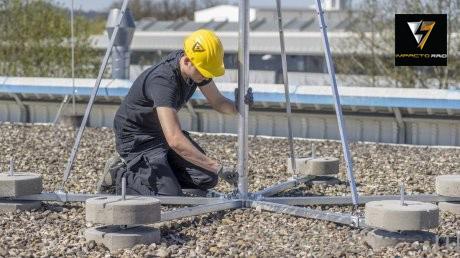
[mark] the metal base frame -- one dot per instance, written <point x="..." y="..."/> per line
<point x="240" y="197"/>
<point x="216" y="201"/>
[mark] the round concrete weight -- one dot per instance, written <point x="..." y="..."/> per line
<point x="115" y="237"/>
<point x="15" y="205"/>
<point x="20" y="184"/>
<point x="378" y="238"/>
<point x="453" y="207"/>
<point x="315" y="166"/>
<point x="112" y="210"/>
<point x="72" y="120"/>
<point x="448" y="185"/>
<point x="390" y="215"/>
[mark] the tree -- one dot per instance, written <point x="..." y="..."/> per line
<point x="35" y="41"/>
<point x="167" y="9"/>
<point x="373" y="28"/>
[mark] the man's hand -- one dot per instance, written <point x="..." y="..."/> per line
<point x="248" y="98"/>
<point x="180" y="143"/>
<point x="228" y="174"/>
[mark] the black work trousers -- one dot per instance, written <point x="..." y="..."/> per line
<point x="155" y="169"/>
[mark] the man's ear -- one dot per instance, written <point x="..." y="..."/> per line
<point x="187" y="61"/>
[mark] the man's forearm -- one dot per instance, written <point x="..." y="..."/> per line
<point x="190" y="153"/>
<point x="227" y="107"/>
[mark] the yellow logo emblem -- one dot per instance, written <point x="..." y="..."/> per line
<point x="198" y="47"/>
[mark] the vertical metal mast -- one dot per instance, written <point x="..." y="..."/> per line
<point x="286" y="87"/>
<point x="93" y="96"/>
<point x="338" y="107"/>
<point x="243" y="78"/>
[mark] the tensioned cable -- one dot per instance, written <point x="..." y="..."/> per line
<point x="73" y="58"/>
<point x="72" y="43"/>
<point x="63" y="103"/>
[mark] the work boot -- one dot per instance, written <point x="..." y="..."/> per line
<point x="107" y="181"/>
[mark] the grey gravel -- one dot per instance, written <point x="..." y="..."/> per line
<point x="57" y="229"/>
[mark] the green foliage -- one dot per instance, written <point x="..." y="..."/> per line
<point x="97" y="26"/>
<point x="373" y="48"/>
<point x="35" y="38"/>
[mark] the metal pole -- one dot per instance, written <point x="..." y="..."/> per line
<point x="81" y="197"/>
<point x="93" y="96"/>
<point x="73" y="59"/>
<point x="243" y="76"/>
<point x="63" y="103"/>
<point x="345" y="200"/>
<point x="123" y="188"/>
<point x="402" y="193"/>
<point x="181" y="200"/>
<point x="313" y="151"/>
<point x="338" y="107"/>
<point x="200" y="209"/>
<point x="11" y="172"/>
<point x="282" y="186"/>
<point x="286" y="87"/>
<point x="335" y="217"/>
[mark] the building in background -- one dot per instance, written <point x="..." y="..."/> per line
<point x="415" y="116"/>
<point x="154" y="39"/>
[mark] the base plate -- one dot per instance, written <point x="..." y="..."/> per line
<point x="378" y="238"/>
<point x="115" y="237"/>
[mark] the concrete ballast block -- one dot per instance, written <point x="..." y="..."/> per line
<point x="114" y="211"/>
<point x="390" y="215"/>
<point x="14" y="205"/>
<point x="20" y="184"/>
<point x="114" y="237"/>
<point x="315" y="166"/>
<point x="448" y="185"/>
<point x="378" y="238"/>
<point x="453" y="207"/>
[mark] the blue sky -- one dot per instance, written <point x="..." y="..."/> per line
<point x="101" y="5"/>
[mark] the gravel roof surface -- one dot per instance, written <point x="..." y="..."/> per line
<point x="57" y="229"/>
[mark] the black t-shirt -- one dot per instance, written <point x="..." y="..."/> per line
<point x="159" y="86"/>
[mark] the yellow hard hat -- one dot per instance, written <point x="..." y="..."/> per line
<point x="205" y="51"/>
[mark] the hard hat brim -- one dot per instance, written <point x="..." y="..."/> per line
<point x="212" y="72"/>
